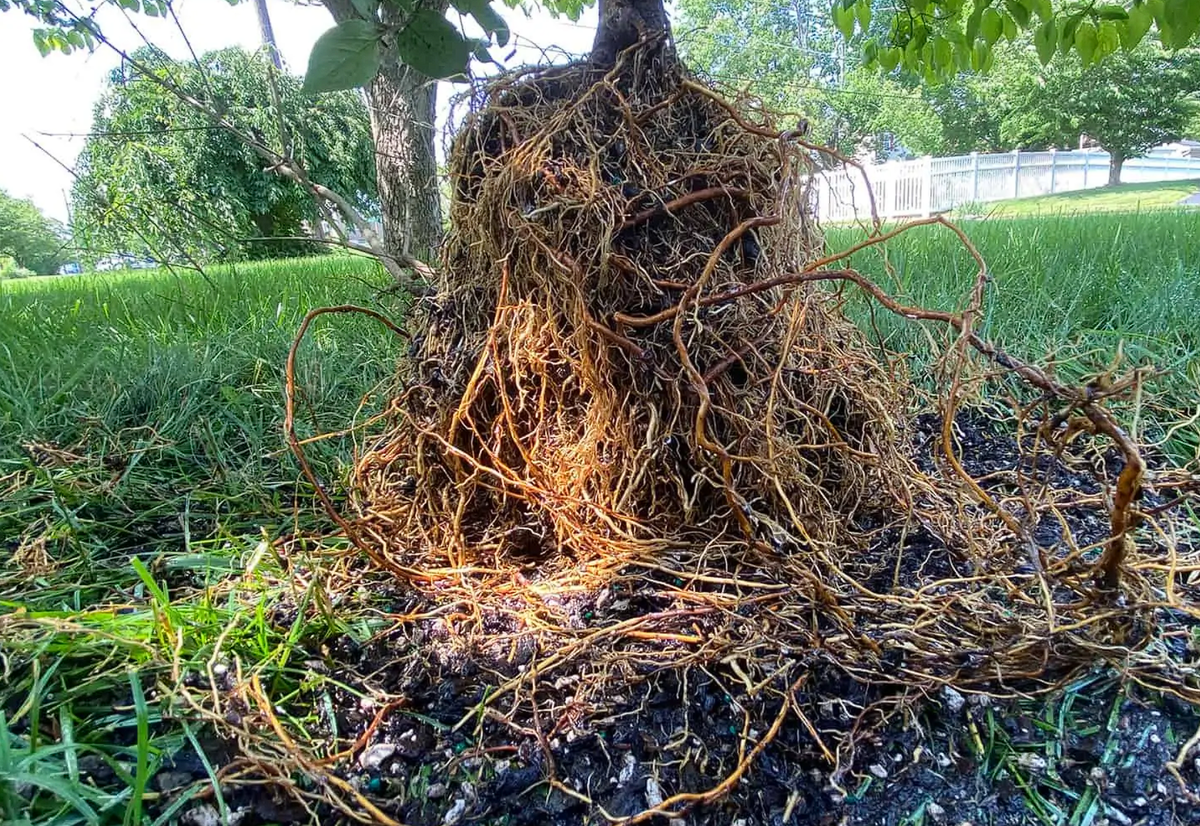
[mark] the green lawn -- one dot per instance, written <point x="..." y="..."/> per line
<point x="1071" y="288"/>
<point x="147" y="505"/>
<point x="1121" y="198"/>
<point x="154" y="524"/>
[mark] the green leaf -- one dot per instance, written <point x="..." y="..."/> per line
<point x="1011" y="30"/>
<point x="1066" y="34"/>
<point x="962" y="56"/>
<point x="366" y="8"/>
<point x="870" y="52"/>
<point x="1135" y="28"/>
<point x="1020" y="14"/>
<point x="1112" y="12"/>
<point x="479" y="51"/>
<point x="991" y="26"/>
<point x="989" y="60"/>
<point x="1045" y="39"/>
<point x="57" y="787"/>
<point x="1044" y="10"/>
<point x="432" y="46"/>
<point x="920" y="35"/>
<point x="843" y="19"/>
<point x="889" y="59"/>
<point x="1108" y="39"/>
<point x="1180" y="18"/>
<point x="39" y="40"/>
<point x="974" y="21"/>
<point x="1085" y="42"/>
<point x="863" y="12"/>
<point x="943" y="53"/>
<point x="487" y="17"/>
<point x="346" y="56"/>
<point x="142" y="760"/>
<point x="979" y="55"/>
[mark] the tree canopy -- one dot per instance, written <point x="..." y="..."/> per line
<point x="157" y="178"/>
<point x="938" y="38"/>
<point x="930" y="38"/>
<point x="1131" y="102"/>
<point x="33" y="241"/>
<point x="793" y="58"/>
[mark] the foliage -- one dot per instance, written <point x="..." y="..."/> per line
<point x="873" y="112"/>
<point x="157" y="179"/>
<point x="795" y="61"/>
<point x="939" y="38"/>
<point x="930" y="38"/>
<point x="786" y="51"/>
<point x="966" y="104"/>
<point x="1131" y="102"/>
<point x="9" y="268"/>
<point x="31" y="240"/>
<point x="347" y="55"/>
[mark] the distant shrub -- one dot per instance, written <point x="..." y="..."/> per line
<point x="10" y="269"/>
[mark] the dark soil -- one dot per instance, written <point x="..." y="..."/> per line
<point x="1092" y="752"/>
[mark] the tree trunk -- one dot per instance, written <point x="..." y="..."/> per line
<point x="403" y="105"/>
<point x="268" y="33"/>
<point x="625" y="22"/>
<point x="1116" y="161"/>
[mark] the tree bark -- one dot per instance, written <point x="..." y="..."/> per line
<point x="625" y="22"/>
<point x="1116" y="161"/>
<point x="403" y="105"/>
<point x="268" y="33"/>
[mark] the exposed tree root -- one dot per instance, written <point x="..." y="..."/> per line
<point x="635" y="371"/>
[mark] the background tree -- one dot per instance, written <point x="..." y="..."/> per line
<point x="156" y="177"/>
<point x="793" y="58"/>
<point x="785" y="51"/>
<point x="877" y="115"/>
<point x="375" y="39"/>
<point x="402" y="102"/>
<point x="966" y="107"/>
<point x="30" y="239"/>
<point x="1132" y="101"/>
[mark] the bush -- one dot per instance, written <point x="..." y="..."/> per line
<point x="10" y="269"/>
<point x="32" y="240"/>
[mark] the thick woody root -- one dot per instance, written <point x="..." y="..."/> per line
<point x="635" y="375"/>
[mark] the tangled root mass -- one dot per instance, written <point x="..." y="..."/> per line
<point x="617" y="379"/>
<point x="581" y="428"/>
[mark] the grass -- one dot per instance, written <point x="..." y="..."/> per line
<point x="155" y="527"/>
<point x="1120" y="198"/>
<point x="1069" y="290"/>
<point x="145" y="499"/>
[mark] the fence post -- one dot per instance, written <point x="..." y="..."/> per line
<point x="927" y="195"/>
<point x="974" y="177"/>
<point x="1087" y="163"/>
<point x="892" y="203"/>
<point x="1053" y="169"/>
<point x="1016" y="173"/>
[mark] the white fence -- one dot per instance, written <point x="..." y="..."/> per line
<point x="921" y="187"/>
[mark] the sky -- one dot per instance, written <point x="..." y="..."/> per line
<point x="50" y="99"/>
